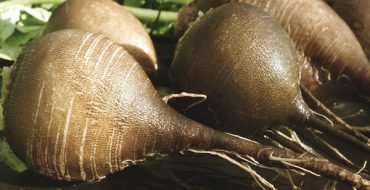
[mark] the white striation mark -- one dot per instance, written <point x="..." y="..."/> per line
<point x="55" y="153"/>
<point x="29" y="150"/>
<point x="39" y="142"/>
<point x="128" y="74"/>
<point x="118" y="59"/>
<point x="105" y="48"/>
<point x="110" y="144"/>
<point x="81" y="154"/>
<point x="82" y="44"/>
<point x="63" y="154"/>
<point x="39" y="102"/>
<point x="154" y="144"/>
<point x="90" y="50"/>
<point x="118" y="141"/>
<point x="135" y="143"/>
<point x="110" y="62"/>
<point x="47" y="136"/>
<point x="119" y="151"/>
<point x="96" y="141"/>
<point x="92" y="154"/>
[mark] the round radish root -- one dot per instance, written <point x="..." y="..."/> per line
<point x="315" y="29"/>
<point x="86" y="105"/>
<point x="88" y="110"/>
<point x="110" y="19"/>
<point x="251" y="80"/>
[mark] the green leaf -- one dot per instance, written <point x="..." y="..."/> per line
<point x="37" y="13"/>
<point x="9" y="158"/>
<point x="134" y="3"/>
<point x="25" y="29"/>
<point x="19" y="38"/>
<point x="21" y="24"/>
<point x="4" y="55"/>
<point x="7" y="29"/>
<point x="8" y="19"/>
<point x="10" y="48"/>
<point x="5" y="75"/>
<point x="9" y="52"/>
<point x="11" y="14"/>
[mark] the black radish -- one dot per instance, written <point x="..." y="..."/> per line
<point x="79" y="109"/>
<point x="251" y="80"/>
<point x="316" y="30"/>
<point x="110" y="19"/>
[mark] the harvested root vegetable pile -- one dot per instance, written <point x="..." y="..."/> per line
<point x="276" y="92"/>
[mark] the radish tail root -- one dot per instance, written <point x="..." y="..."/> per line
<point x="284" y="141"/>
<point x="362" y="129"/>
<point x="324" y="146"/>
<point x="284" y="158"/>
<point x="262" y="182"/>
<point x="342" y="124"/>
<point x="293" y="136"/>
<point x="320" y="125"/>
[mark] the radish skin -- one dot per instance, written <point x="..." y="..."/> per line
<point x="87" y="113"/>
<point x="356" y="13"/>
<point x="316" y="30"/>
<point x="110" y="19"/>
<point x="260" y="70"/>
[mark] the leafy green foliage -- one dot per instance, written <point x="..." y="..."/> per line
<point x="155" y="25"/>
<point x="7" y="157"/>
<point x="19" y="25"/>
<point x="166" y="5"/>
<point x="5" y="74"/>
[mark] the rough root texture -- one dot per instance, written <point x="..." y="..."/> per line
<point x="315" y="29"/>
<point x="80" y="107"/>
<point x="250" y="75"/>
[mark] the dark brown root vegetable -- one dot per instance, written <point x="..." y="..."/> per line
<point x="211" y="61"/>
<point x="251" y="80"/>
<point x="79" y="109"/>
<point x="356" y="13"/>
<point x="315" y="29"/>
<point x="108" y="18"/>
